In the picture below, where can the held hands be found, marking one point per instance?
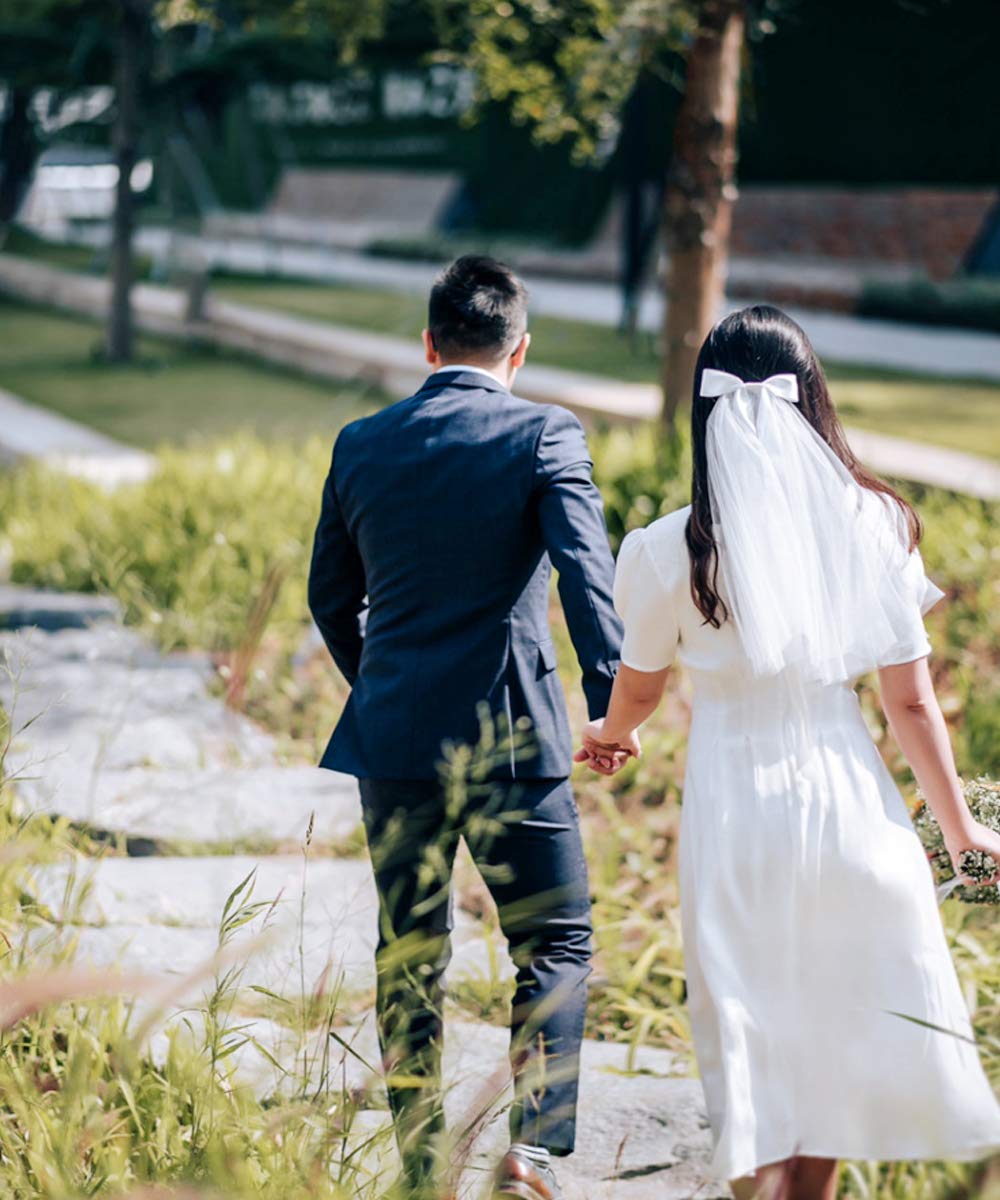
(603, 756)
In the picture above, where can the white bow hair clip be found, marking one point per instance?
(721, 383)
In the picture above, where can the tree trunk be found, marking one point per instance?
(701, 189)
(129, 58)
(18, 151)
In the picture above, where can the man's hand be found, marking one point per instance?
(603, 756)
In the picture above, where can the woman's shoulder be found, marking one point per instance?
(662, 544)
(664, 535)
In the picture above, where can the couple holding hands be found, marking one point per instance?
(827, 1016)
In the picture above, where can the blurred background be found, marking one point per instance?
(842, 160)
(219, 220)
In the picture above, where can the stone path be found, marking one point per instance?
(32, 432)
(128, 742)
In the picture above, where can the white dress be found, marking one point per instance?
(812, 938)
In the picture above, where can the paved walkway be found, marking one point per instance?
(124, 740)
(839, 337)
(27, 431)
(395, 365)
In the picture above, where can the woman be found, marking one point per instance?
(827, 1016)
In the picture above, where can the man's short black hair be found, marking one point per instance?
(479, 307)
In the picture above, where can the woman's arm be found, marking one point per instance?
(919, 727)
(609, 741)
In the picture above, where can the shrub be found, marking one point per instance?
(642, 473)
(968, 302)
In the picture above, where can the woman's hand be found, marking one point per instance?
(602, 755)
(975, 837)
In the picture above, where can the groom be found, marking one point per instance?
(442, 518)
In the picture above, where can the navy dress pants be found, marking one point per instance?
(525, 839)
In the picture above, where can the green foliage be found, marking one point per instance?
(969, 302)
(190, 551)
(643, 473)
(564, 69)
(961, 549)
(297, 19)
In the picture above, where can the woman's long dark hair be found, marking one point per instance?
(754, 344)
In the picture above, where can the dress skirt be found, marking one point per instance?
(828, 1019)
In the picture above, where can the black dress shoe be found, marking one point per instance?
(518, 1176)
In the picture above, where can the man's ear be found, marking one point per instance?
(520, 351)
(429, 352)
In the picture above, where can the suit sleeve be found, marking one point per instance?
(337, 586)
(576, 537)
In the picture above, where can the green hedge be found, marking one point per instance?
(967, 303)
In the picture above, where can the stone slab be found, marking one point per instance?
(103, 642)
(160, 916)
(22, 607)
(77, 713)
(67, 691)
(642, 1131)
(203, 806)
(128, 741)
(61, 743)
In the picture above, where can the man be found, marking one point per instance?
(442, 517)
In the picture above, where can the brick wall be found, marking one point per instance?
(927, 228)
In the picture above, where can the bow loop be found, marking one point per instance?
(722, 383)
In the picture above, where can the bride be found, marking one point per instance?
(827, 1017)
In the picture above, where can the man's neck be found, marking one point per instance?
(493, 371)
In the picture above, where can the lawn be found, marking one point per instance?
(959, 413)
(173, 393)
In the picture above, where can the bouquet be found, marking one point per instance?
(983, 798)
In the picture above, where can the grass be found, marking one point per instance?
(172, 393)
(57, 254)
(959, 413)
(88, 1109)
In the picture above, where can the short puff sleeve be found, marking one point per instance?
(921, 595)
(646, 607)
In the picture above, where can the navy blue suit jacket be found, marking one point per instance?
(442, 517)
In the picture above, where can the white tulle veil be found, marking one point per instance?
(811, 564)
